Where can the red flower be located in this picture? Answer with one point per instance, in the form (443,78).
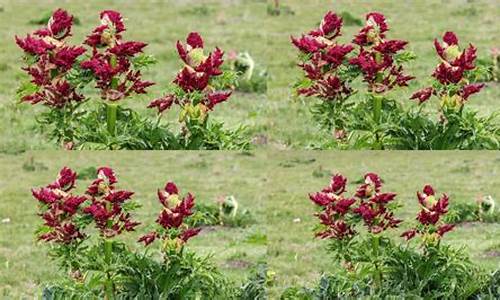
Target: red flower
(170,189)
(46,195)
(191,81)
(321,199)
(66,57)
(189,233)
(172,217)
(111,61)
(451,73)
(34,46)
(343,206)
(338,230)
(148,238)
(335,55)
(383,198)
(128,48)
(325,57)
(163,103)
(470,89)
(107,174)
(53,59)
(118,196)
(60,209)
(65,180)
(376,56)
(339,214)
(391,47)
(195,77)
(444,229)
(194,40)
(372,185)
(330,26)
(409,234)
(374,30)
(72,203)
(185,206)
(59,26)
(308,44)
(337,185)
(106,208)
(423,95)
(430,215)
(114,19)
(217,97)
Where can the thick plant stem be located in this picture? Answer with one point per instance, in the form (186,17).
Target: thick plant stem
(111,108)
(378,272)
(108,285)
(111,111)
(377,112)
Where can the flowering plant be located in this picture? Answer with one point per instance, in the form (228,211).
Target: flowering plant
(172,229)
(340,217)
(113,63)
(50,62)
(377,121)
(373,265)
(327,72)
(198,88)
(59,73)
(431,226)
(452,75)
(330,68)
(102,266)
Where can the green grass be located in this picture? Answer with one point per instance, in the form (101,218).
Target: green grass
(273,185)
(276,119)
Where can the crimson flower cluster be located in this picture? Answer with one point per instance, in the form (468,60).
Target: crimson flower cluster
(50,59)
(451,73)
(324,58)
(195,77)
(171,219)
(59,208)
(376,57)
(106,207)
(111,60)
(340,214)
(429,217)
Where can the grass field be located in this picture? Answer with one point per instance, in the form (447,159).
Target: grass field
(275,119)
(272,185)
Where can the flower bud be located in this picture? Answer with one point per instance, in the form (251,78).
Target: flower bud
(195,57)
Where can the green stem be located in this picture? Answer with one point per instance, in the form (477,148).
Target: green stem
(376,251)
(111,111)
(108,284)
(377,112)
(111,108)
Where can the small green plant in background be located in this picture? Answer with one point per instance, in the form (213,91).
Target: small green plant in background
(252,78)
(45,18)
(276,8)
(257,283)
(483,210)
(225,212)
